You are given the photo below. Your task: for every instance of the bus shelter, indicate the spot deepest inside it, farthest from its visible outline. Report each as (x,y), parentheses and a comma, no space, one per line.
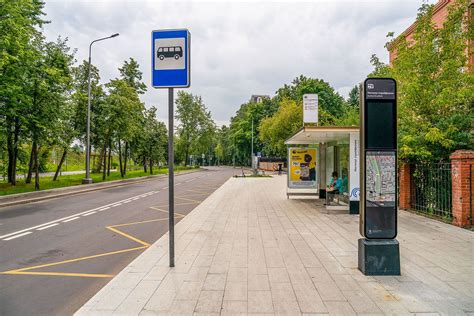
(315,153)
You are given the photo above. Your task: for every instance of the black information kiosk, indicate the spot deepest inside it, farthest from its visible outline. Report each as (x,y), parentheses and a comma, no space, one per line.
(379,252)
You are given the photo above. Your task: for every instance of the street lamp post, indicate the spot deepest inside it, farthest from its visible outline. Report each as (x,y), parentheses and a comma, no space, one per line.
(88,179)
(251,155)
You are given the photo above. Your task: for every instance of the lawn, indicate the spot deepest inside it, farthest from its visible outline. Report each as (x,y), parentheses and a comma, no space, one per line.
(76,179)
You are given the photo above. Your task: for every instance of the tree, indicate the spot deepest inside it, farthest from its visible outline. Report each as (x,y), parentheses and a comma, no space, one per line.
(195,128)
(331,104)
(153,141)
(435,90)
(48,88)
(130,72)
(19,24)
(353,99)
(123,115)
(276,129)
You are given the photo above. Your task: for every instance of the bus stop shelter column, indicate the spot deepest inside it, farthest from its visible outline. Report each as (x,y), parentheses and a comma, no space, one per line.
(322,169)
(354,172)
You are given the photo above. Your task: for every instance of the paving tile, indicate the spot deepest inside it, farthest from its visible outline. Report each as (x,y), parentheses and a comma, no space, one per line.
(248,250)
(189,291)
(278,275)
(282,291)
(258,282)
(339,308)
(286,307)
(235,291)
(210,301)
(182,307)
(260,302)
(215,282)
(237,274)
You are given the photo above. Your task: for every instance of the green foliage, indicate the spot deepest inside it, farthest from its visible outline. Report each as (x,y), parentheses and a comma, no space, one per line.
(435,86)
(274,130)
(43,103)
(195,130)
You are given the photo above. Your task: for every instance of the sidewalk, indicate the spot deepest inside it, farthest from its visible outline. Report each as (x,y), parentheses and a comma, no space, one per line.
(247,249)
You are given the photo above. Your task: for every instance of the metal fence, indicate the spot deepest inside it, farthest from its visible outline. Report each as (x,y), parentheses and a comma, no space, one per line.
(432,189)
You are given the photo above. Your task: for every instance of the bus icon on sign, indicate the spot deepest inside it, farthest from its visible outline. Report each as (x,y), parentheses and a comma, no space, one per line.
(175,52)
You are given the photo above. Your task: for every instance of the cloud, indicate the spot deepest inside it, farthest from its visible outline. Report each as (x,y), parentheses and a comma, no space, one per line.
(238,48)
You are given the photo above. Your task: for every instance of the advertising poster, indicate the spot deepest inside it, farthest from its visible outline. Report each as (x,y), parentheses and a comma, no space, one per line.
(302,167)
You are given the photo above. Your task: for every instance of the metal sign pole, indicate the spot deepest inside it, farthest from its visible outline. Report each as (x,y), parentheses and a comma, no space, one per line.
(171,173)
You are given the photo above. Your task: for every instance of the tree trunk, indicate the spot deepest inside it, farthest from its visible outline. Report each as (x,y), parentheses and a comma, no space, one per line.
(151,166)
(144,164)
(104,171)
(63,157)
(31,164)
(37,187)
(12,144)
(125,159)
(110,153)
(186,157)
(120,158)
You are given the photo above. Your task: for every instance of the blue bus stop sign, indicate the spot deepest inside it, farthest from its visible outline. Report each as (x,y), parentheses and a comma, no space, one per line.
(171,58)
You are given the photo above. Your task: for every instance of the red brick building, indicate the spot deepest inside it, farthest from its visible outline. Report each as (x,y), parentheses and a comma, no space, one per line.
(440,12)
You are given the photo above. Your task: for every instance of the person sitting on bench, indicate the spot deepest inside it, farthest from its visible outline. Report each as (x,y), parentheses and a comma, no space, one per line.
(335,185)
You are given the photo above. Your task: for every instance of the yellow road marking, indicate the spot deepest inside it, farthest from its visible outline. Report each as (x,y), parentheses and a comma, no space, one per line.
(143,222)
(84,275)
(165,211)
(200,192)
(186,199)
(74,260)
(27,270)
(128,236)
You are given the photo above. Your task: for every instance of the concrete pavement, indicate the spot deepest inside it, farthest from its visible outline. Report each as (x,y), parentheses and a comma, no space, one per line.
(58,253)
(248,250)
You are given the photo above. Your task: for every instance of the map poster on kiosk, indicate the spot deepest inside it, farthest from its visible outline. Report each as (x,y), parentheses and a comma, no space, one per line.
(302,168)
(380,188)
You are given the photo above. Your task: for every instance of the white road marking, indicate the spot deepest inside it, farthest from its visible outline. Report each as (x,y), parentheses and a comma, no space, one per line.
(104,209)
(27,230)
(71,219)
(126,202)
(49,226)
(16,236)
(90,213)
(165,188)
(177,184)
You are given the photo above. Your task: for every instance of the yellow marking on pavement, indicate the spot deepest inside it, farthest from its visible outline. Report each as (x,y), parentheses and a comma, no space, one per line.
(197,191)
(142,222)
(186,199)
(165,211)
(84,275)
(74,260)
(128,236)
(113,228)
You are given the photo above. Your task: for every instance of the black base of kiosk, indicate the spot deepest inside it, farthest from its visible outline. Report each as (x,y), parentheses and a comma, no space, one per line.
(379,257)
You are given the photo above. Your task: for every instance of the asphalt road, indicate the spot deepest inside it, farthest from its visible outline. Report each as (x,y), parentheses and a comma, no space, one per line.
(56,254)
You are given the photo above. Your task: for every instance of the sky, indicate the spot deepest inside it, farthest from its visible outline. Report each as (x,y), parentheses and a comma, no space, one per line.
(238,48)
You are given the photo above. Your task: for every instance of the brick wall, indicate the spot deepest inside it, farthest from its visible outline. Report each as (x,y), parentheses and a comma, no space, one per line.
(404,186)
(460,164)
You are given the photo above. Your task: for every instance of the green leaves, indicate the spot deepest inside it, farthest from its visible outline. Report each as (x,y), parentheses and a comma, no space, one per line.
(435,88)
(196,129)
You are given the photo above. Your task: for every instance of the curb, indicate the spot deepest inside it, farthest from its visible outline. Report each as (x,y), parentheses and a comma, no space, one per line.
(96,187)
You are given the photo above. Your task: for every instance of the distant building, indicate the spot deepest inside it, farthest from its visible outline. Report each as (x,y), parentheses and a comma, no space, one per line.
(440,12)
(258,98)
